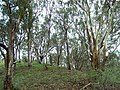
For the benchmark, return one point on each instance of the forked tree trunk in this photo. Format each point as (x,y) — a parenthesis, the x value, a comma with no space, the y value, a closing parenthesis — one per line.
(94,52)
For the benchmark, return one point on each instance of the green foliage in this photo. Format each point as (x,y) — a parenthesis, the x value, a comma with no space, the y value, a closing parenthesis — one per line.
(1,67)
(1,74)
(109,75)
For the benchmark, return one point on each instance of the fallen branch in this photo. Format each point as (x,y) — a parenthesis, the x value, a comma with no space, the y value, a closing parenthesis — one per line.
(85,86)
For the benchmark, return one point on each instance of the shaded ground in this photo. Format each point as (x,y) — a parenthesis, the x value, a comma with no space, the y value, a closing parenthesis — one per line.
(55,78)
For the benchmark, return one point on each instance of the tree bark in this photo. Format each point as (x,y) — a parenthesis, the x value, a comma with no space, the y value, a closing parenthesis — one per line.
(68,60)
(51,60)
(104,56)
(67,46)
(59,51)
(19,53)
(9,62)
(29,48)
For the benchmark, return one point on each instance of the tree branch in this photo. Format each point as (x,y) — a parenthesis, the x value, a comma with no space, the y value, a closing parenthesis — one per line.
(85,86)
(4,46)
(2,53)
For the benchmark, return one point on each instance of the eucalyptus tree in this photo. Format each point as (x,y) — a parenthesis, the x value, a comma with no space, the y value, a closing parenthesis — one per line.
(29,28)
(79,53)
(63,26)
(114,40)
(77,38)
(29,19)
(42,31)
(47,25)
(14,11)
(97,19)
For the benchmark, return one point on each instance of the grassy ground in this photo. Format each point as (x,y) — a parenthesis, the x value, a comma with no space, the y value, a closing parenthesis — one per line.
(1,75)
(56,78)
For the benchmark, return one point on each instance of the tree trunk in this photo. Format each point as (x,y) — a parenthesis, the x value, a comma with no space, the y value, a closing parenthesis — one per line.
(9,61)
(51,60)
(68,60)
(29,48)
(98,58)
(67,46)
(19,54)
(59,51)
(104,56)
(8,83)
(58,60)
(8,64)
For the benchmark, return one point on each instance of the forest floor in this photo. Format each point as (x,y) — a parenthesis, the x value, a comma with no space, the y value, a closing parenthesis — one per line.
(59,78)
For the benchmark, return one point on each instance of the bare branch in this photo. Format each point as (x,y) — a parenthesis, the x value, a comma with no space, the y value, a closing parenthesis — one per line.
(2,53)
(85,86)
(3,46)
